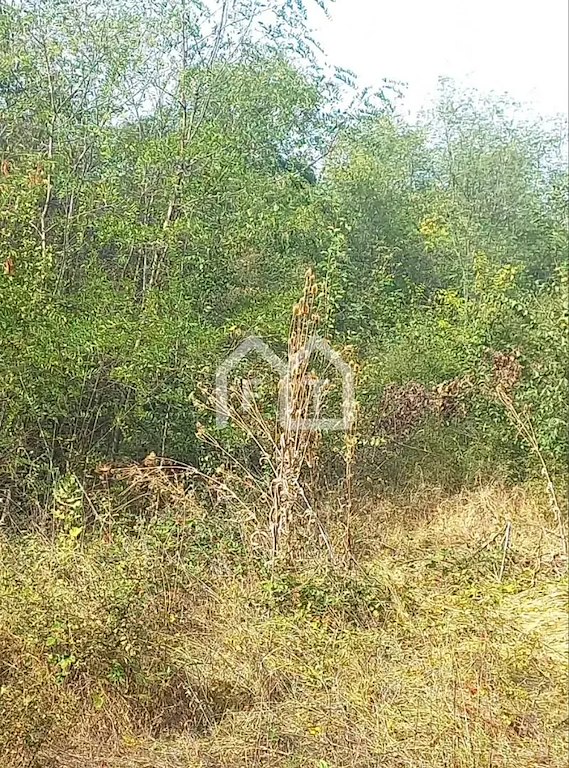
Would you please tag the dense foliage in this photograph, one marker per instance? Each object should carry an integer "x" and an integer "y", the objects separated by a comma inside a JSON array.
[{"x": 167, "y": 173}]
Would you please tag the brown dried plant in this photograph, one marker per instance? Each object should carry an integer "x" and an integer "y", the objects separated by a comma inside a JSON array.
[
  {"x": 278, "y": 501},
  {"x": 404, "y": 407}
]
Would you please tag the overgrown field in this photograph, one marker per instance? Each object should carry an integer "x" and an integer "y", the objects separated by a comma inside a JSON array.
[
  {"x": 441, "y": 642},
  {"x": 177, "y": 176}
]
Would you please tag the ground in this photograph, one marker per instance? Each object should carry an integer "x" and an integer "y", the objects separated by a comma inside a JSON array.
[{"x": 441, "y": 642}]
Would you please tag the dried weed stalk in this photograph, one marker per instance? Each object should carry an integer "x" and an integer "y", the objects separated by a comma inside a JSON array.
[
  {"x": 278, "y": 499},
  {"x": 506, "y": 374}
]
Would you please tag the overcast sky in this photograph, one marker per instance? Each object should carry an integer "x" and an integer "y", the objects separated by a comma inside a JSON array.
[{"x": 514, "y": 46}]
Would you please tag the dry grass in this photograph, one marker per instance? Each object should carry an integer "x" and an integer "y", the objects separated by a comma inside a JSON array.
[{"x": 444, "y": 645}]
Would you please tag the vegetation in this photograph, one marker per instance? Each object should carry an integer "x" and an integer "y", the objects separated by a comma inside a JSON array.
[
  {"x": 159, "y": 644},
  {"x": 174, "y": 177}
]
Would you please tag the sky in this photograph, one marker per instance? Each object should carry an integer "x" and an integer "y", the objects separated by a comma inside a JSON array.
[{"x": 519, "y": 47}]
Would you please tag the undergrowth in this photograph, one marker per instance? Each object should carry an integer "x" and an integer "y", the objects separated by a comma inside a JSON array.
[{"x": 441, "y": 643}]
